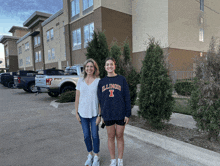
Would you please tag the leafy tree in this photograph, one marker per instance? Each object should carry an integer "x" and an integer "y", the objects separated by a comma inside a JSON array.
[
  {"x": 155, "y": 96},
  {"x": 98, "y": 50},
  {"x": 205, "y": 99}
]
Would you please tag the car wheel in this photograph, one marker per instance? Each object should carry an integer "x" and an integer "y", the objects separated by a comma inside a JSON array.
[
  {"x": 10, "y": 84},
  {"x": 32, "y": 88},
  {"x": 53, "y": 94},
  {"x": 67, "y": 88}
]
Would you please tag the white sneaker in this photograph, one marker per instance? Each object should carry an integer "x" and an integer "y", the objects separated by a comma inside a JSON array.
[
  {"x": 89, "y": 160},
  {"x": 96, "y": 161},
  {"x": 113, "y": 162},
  {"x": 120, "y": 162}
]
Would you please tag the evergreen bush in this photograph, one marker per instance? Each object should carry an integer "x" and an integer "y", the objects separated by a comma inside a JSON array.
[
  {"x": 68, "y": 96},
  {"x": 97, "y": 49},
  {"x": 155, "y": 97},
  {"x": 183, "y": 88},
  {"x": 205, "y": 101}
]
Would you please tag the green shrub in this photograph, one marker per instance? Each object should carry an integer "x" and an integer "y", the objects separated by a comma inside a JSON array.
[
  {"x": 155, "y": 97},
  {"x": 68, "y": 96},
  {"x": 205, "y": 99},
  {"x": 183, "y": 88}
]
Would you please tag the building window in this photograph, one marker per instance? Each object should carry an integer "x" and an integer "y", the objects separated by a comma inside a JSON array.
[
  {"x": 201, "y": 35},
  {"x": 38, "y": 40},
  {"x": 27, "y": 46},
  {"x": 202, "y": 5},
  {"x": 75, "y": 7},
  {"x": 52, "y": 53},
  {"x": 7, "y": 63},
  {"x": 20, "y": 62},
  {"x": 39, "y": 59},
  {"x": 28, "y": 61},
  {"x": 49, "y": 55},
  {"x": 87, "y": 4},
  {"x": 88, "y": 32},
  {"x": 36, "y": 57},
  {"x": 51, "y": 34},
  {"x": 19, "y": 50},
  {"x": 6, "y": 51},
  {"x": 48, "y": 35},
  {"x": 76, "y": 39},
  {"x": 35, "y": 41}
]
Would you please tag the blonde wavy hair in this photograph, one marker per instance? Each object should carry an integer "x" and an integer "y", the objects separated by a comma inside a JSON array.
[{"x": 96, "y": 72}]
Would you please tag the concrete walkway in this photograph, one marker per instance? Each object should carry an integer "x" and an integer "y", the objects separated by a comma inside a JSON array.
[{"x": 183, "y": 149}]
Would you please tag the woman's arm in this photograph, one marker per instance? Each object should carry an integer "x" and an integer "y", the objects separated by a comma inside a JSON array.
[{"x": 77, "y": 104}]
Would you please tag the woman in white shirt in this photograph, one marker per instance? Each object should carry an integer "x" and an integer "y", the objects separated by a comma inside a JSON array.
[{"x": 88, "y": 111}]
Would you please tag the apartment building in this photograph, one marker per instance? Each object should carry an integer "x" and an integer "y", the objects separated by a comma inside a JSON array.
[
  {"x": 184, "y": 29},
  {"x": 10, "y": 47},
  {"x": 54, "y": 41},
  {"x": 83, "y": 16},
  {"x": 30, "y": 46}
]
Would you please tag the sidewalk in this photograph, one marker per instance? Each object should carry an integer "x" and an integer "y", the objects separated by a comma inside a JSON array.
[{"x": 189, "y": 151}]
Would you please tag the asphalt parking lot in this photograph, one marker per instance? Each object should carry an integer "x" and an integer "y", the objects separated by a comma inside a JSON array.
[{"x": 34, "y": 133}]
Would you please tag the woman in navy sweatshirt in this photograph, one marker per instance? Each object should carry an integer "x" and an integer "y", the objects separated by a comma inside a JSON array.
[{"x": 114, "y": 99}]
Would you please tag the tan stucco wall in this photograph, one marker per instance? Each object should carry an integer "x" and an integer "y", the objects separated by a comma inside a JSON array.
[
  {"x": 58, "y": 43},
  {"x": 149, "y": 18},
  {"x": 12, "y": 47},
  {"x": 184, "y": 24},
  {"x": 25, "y": 53},
  {"x": 20, "y": 33},
  {"x": 123, "y": 6}
]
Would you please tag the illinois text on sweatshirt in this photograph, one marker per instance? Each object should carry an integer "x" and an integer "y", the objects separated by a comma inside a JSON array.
[{"x": 114, "y": 98}]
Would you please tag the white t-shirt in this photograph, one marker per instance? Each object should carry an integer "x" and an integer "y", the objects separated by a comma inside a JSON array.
[{"x": 88, "y": 99}]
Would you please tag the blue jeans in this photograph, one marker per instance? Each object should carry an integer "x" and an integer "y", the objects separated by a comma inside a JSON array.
[{"x": 86, "y": 123}]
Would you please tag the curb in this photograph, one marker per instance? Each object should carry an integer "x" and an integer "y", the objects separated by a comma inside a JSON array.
[
  {"x": 186, "y": 150},
  {"x": 60, "y": 105}
]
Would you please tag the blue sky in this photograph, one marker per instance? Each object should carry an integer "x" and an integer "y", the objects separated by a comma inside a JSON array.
[{"x": 16, "y": 12}]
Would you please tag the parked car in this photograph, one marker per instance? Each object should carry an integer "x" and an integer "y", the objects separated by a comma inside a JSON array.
[
  {"x": 3, "y": 78},
  {"x": 9, "y": 79},
  {"x": 57, "y": 84},
  {"x": 27, "y": 83}
]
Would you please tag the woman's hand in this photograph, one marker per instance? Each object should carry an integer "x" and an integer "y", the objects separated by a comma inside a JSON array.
[
  {"x": 98, "y": 120},
  {"x": 78, "y": 118},
  {"x": 126, "y": 120}
]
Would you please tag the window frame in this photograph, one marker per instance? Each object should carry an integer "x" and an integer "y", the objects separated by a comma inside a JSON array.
[
  {"x": 201, "y": 34},
  {"x": 36, "y": 56},
  {"x": 52, "y": 53},
  {"x": 87, "y": 4},
  {"x": 20, "y": 62},
  {"x": 202, "y": 5},
  {"x": 49, "y": 54},
  {"x": 76, "y": 38},
  {"x": 39, "y": 56},
  {"x": 76, "y": 7},
  {"x": 48, "y": 35},
  {"x": 19, "y": 50},
  {"x": 89, "y": 37},
  {"x": 51, "y": 37}
]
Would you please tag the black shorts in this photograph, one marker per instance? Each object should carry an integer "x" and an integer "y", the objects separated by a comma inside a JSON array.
[{"x": 112, "y": 122}]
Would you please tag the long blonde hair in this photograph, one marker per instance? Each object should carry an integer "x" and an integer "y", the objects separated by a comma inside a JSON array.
[{"x": 96, "y": 72}]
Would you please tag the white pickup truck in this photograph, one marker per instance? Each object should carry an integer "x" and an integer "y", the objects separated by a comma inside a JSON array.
[{"x": 57, "y": 84}]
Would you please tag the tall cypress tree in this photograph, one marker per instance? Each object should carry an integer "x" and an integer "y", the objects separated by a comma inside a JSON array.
[
  {"x": 115, "y": 52},
  {"x": 98, "y": 50},
  {"x": 155, "y": 96}
]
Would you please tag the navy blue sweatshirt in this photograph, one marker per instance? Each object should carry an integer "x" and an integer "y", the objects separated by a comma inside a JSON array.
[{"x": 114, "y": 98}]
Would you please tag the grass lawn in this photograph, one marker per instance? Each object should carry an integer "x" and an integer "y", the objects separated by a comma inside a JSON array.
[{"x": 181, "y": 106}]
